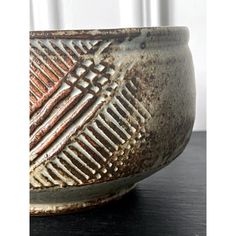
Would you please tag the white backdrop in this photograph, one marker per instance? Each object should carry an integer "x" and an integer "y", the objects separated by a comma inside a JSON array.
[{"x": 88, "y": 14}]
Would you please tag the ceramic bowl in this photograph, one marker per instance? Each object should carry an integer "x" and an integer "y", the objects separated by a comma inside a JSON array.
[{"x": 108, "y": 108}]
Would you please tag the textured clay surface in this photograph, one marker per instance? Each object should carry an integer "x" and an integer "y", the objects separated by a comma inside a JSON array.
[{"x": 107, "y": 104}]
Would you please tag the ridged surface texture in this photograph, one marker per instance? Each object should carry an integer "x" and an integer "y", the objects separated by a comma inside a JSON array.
[{"x": 92, "y": 112}]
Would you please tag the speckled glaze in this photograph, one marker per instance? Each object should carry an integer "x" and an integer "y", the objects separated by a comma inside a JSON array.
[{"x": 107, "y": 109}]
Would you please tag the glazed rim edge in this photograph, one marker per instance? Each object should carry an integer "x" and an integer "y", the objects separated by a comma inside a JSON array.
[{"x": 178, "y": 33}]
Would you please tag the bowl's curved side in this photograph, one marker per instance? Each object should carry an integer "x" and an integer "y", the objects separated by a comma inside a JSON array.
[
  {"x": 104, "y": 109},
  {"x": 167, "y": 88}
]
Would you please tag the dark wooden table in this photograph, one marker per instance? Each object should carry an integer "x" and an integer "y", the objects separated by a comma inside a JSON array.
[{"x": 171, "y": 202}]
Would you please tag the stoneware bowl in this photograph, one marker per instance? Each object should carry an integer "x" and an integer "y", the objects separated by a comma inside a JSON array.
[{"x": 107, "y": 109}]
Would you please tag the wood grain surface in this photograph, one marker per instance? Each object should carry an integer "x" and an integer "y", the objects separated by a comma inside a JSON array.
[{"x": 172, "y": 202}]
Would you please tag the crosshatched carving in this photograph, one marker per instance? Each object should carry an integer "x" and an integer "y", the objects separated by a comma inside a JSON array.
[
  {"x": 85, "y": 116},
  {"x": 107, "y": 109}
]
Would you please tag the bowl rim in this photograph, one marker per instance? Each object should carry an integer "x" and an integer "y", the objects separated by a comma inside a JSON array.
[{"x": 160, "y": 31}]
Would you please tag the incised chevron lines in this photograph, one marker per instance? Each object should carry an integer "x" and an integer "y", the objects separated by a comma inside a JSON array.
[{"x": 85, "y": 115}]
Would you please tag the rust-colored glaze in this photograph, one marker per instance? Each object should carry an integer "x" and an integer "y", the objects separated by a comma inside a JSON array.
[{"x": 107, "y": 105}]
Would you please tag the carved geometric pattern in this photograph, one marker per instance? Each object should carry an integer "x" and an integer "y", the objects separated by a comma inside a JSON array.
[{"x": 86, "y": 117}]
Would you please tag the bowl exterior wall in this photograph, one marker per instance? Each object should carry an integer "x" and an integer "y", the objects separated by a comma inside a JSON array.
[{"x": 107, "y": 107}]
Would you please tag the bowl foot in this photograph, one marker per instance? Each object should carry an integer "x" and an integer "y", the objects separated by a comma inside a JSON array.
[{"x": 70, "y": 207}]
